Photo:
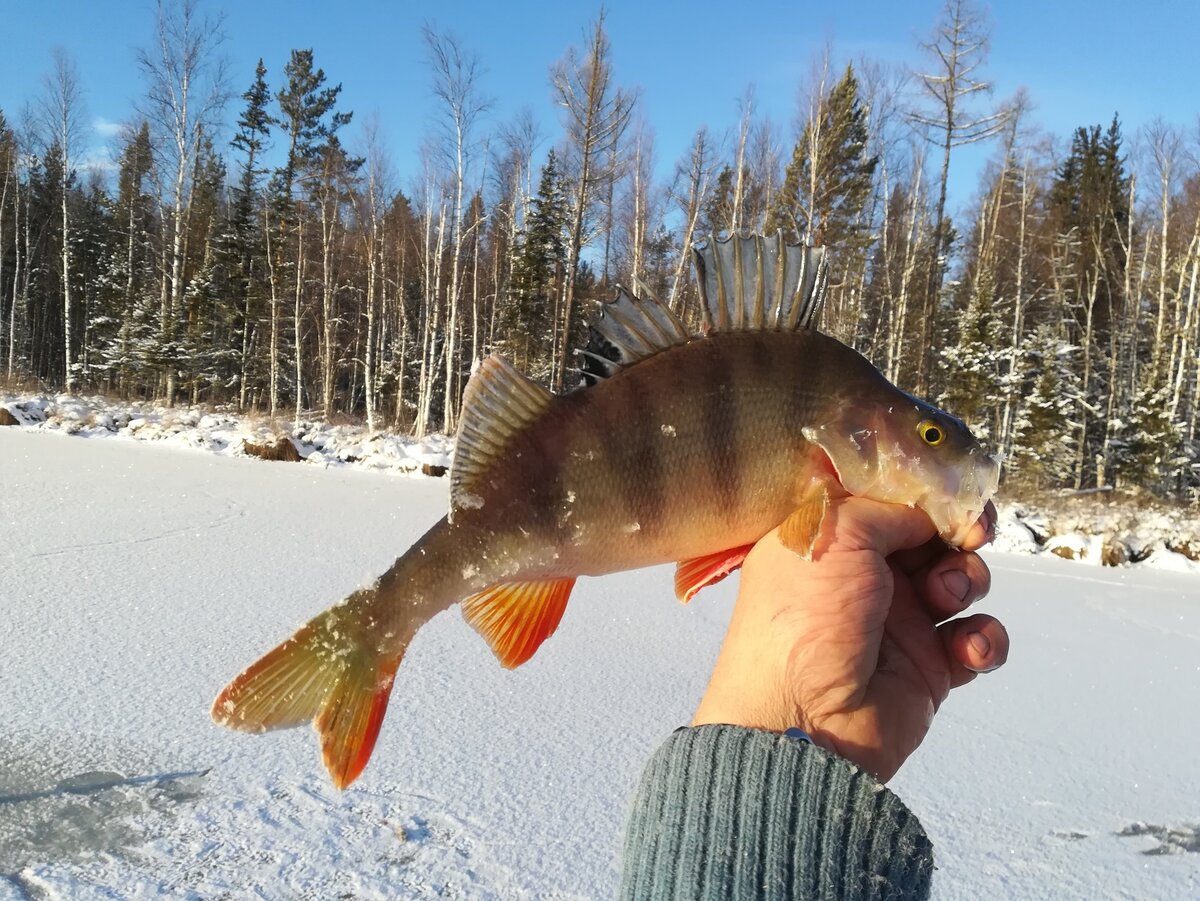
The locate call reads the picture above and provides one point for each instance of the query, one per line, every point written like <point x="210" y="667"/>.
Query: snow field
<point x="139" y="579"/>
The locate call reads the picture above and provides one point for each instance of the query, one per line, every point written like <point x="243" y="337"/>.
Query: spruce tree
<point x="1045" y="431"/>
<point x="527" y="321"/>
<point x="970" y="366"/>
<point x="245" y="238"/>
<point x="829" y="179"/>
<point x="1089" y="202"/>
<point x="1148" y="450"/>
<point x="129" y="309"/>
<point x="310" y="124"/>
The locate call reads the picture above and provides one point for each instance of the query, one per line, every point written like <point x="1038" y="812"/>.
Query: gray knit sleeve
<point x="726" y="812"/>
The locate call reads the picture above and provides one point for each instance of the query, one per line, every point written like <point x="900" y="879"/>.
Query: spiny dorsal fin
<point x="499" y="402"/>
<point x="759" y="283"/>
<point x="633" y="327"/>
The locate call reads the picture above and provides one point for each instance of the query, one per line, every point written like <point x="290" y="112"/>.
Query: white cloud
<point x="107" y="129"/>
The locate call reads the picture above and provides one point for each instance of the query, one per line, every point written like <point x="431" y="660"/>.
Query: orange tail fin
<point x="321" y="675"/>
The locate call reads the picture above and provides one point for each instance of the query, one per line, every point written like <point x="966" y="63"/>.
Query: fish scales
<point x="691" y="450"/>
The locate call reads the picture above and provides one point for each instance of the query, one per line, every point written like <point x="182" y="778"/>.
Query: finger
<point x="879" y="526"/>
<point x="952" y="583"/>
<point x="974" y="644"/>
<point x="983" y="531"/>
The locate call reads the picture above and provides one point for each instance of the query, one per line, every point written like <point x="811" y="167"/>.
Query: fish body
<point x="689" y="451"/>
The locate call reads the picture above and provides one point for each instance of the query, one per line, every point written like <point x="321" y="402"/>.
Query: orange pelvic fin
<point x="320" y="675"/>
<point x="800" y="530"/>
<point x="516" y="617"/>
<point x="700" y="572"/>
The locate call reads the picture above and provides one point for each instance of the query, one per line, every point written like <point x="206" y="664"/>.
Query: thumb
<point x="859" y="523"/>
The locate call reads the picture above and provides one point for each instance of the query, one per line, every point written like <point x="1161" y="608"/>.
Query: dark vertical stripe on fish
<point x="720" y="422"/>
<point x="643" y="485"/>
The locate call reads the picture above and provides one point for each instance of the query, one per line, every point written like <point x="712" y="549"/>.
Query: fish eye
<point x="931" y="433"/>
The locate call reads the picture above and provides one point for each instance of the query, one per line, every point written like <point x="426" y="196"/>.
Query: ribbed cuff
<point x="728" y="812"/>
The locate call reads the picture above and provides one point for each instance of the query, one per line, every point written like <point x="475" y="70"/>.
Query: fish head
<point x="909" y="452"/>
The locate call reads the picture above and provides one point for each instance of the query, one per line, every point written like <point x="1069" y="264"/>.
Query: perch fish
<point x="689" y="449"/>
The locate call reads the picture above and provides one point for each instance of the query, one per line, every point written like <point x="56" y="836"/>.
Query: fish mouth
<point x="959" y="508"/>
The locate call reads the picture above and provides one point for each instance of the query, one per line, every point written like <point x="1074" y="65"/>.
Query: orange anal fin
<point x="800" y="530"/>
<point x="700" y="572"/>
<point x="516" y="617"/>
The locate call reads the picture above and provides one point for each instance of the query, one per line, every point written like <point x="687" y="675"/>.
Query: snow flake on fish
<point x="668" y="430"/>
<point x="468" y="501"/>
<point x="633" y="528"/>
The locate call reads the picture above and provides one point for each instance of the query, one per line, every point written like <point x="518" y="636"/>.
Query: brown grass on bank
<point x="282" y="450"/>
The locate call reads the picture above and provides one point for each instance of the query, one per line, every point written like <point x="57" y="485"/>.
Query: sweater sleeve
<point x="725" y="812"/>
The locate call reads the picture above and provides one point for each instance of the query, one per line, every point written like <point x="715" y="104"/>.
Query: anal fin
<point x="700" y="572"/>
<point x="516" y="617"/>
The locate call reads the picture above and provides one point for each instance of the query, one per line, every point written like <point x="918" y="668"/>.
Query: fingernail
<point x="956" y="583"/>
<point x="980" y="643"/>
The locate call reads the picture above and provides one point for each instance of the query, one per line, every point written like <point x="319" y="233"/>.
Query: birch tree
<point x="186" y="94"/>
<point x="62" y="122"/>
<point x="596" y="114"/>
<point x="958" y="48"/>
<point x="689" y="192"/>
<point x="457" y="73"/>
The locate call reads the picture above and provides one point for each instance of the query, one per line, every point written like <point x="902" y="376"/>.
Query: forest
<point x="253" y="247"/>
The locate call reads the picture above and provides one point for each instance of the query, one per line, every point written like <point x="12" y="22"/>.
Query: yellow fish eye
<point x="931" y="433"/>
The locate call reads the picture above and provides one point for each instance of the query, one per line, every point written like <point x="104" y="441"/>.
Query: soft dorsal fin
<point x="759" y="283"/>
<point x="499" y="402"/>
<point x="633" y="327"/>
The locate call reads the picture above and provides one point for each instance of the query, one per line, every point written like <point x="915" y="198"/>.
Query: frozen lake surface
<point x="137" y="579"/>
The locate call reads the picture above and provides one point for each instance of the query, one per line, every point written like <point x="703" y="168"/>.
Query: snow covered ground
<point x="1092" y="530"/>
<point x="137" y="579"/>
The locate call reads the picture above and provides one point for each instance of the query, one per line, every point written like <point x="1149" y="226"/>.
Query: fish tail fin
<point x="323" y="675"/>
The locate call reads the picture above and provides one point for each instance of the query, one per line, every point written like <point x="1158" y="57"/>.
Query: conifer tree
<point x="829" y="179"/>
<point x="1089" y="202"/>
<point x="246" y="281"/>
<point x="527" y="321"/>
<point x="128" y="316"/>
<point x="50" y="189"/>
<point x="1148" y="443"/>
<point x="310" y="123"/>
<point x="1045" y="432"/>
<point x="970" y="366"/>
<point x="9" y="188"/>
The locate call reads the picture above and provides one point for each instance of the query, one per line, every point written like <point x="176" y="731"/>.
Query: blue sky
<point x="1081" y="61"/>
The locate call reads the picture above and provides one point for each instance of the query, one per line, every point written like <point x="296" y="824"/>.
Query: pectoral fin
<point x="700" y="572"/>
<point x="516" y="617"/>
<point x="800" y="530"/>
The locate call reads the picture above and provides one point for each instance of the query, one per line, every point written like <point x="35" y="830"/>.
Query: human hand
<point x="848" y="646"/>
